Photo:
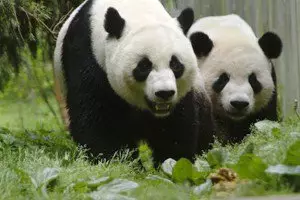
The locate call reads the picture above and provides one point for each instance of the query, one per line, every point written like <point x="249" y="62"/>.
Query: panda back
<point x="58" y="72"/>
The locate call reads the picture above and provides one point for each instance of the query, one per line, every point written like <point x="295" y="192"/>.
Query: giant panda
<point x="128" y="73"/>
<point x="238" y="72"/>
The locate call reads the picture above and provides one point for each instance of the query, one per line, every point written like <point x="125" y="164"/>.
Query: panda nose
<point x="239" y="105"/>
<point x="165" y="94"/>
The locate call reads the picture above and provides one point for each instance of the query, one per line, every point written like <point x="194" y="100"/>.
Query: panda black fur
<point x="107" y="113"/>
<point x="238" y="72"/>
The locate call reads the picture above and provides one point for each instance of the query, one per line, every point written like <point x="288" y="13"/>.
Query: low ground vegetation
<point x="38" y="160"/>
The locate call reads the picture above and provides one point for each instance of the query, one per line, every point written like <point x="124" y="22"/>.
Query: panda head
<point x="153" y="66"/>
<point x="237" y="73"/>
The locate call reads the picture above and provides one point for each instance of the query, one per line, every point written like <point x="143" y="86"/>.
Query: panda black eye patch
<point x="255" y="84"/>
<point x="177" y="67"/>
<point x="219" y="85"/>
<point x="143" y="69"/>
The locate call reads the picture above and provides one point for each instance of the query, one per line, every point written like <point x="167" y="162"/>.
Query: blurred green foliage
<point x="27" y="25"/>
<point x="29" y="95"/>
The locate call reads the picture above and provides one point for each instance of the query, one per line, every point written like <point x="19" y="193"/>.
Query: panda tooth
<point x="157" y="107"/>
<point x="162" y="106"/>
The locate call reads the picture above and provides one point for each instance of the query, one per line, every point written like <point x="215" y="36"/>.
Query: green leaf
<point x="97" y="182"/>
<point x="81" y="187"/>
<point x="250" y="166"/>
<point x="293" y="154"/>
<point x="118" y="186"/>
<point x="145" y="155"/>
<point x="284" y="170"/>
<point x="158" y="178"/>
<point x="87" y="186"/>
<point x="98" y="195"/>
<point x="203" y="188"/>
<point x="45" y="178"/>
<point x="47" y="175"/>
<point x="198" y="177"/>
<point x="201" y="170"/>
<point x="276" y="132"/>
<point x="216" y="157"/>
<point x="249" y="149"/>
<point x="182" y="170"/>
<point x="114" y="189"/>
<point x="202" y="165"/>
<point x="290" y="174"/>
<point x="168" y="166"/>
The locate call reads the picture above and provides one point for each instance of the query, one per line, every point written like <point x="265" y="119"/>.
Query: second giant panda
<point x="128" y="72"/>
<point x="238" y="72"/>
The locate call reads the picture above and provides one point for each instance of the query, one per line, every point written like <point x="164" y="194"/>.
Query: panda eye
<point x="177" y="67"/>
<point x="255" y="84"/>
<point x="219" y="85"/>
<point x="143" y="69"/>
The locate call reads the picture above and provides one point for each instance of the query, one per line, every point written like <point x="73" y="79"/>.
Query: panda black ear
<point x="201" y="43"/>
<point x="271" y="45"/>
<point x="114" y="24"/>
<point x="186" y="19"/>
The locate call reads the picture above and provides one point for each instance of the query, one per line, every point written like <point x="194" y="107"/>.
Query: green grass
<point x="28" y="114"/>
<point x="39" y="161"/>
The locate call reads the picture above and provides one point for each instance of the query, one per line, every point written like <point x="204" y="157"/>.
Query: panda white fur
<point x="238" y="73"/>
<point x="128" y="73"/>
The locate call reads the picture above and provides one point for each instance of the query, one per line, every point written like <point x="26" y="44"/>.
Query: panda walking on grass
<point x="238" y="72"/>
<point x="129" y="74"/>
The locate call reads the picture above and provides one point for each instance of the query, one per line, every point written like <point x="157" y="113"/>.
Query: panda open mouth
<point x="160" y="109"/>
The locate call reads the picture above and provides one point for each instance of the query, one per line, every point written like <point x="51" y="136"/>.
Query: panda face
<point x="235" y="64"/>
<point x="240" y="82"/>
<point x="152" y="68"/>
<point x="160" y="85"/>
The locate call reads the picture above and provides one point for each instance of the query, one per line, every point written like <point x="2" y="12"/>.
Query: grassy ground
<point x="39" y="161"/>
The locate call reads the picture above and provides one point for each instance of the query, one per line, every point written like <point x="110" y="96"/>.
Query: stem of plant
<point x="296" y="107"/>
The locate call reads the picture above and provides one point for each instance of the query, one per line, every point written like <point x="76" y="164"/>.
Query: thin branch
<point x="16" y="18"/>
<point x="28" y="18"/>
<point x="54" y="34"/>
<point x="296" y="107"/>
<point x="42" y="92"/>
<point x="62" y="20"/>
